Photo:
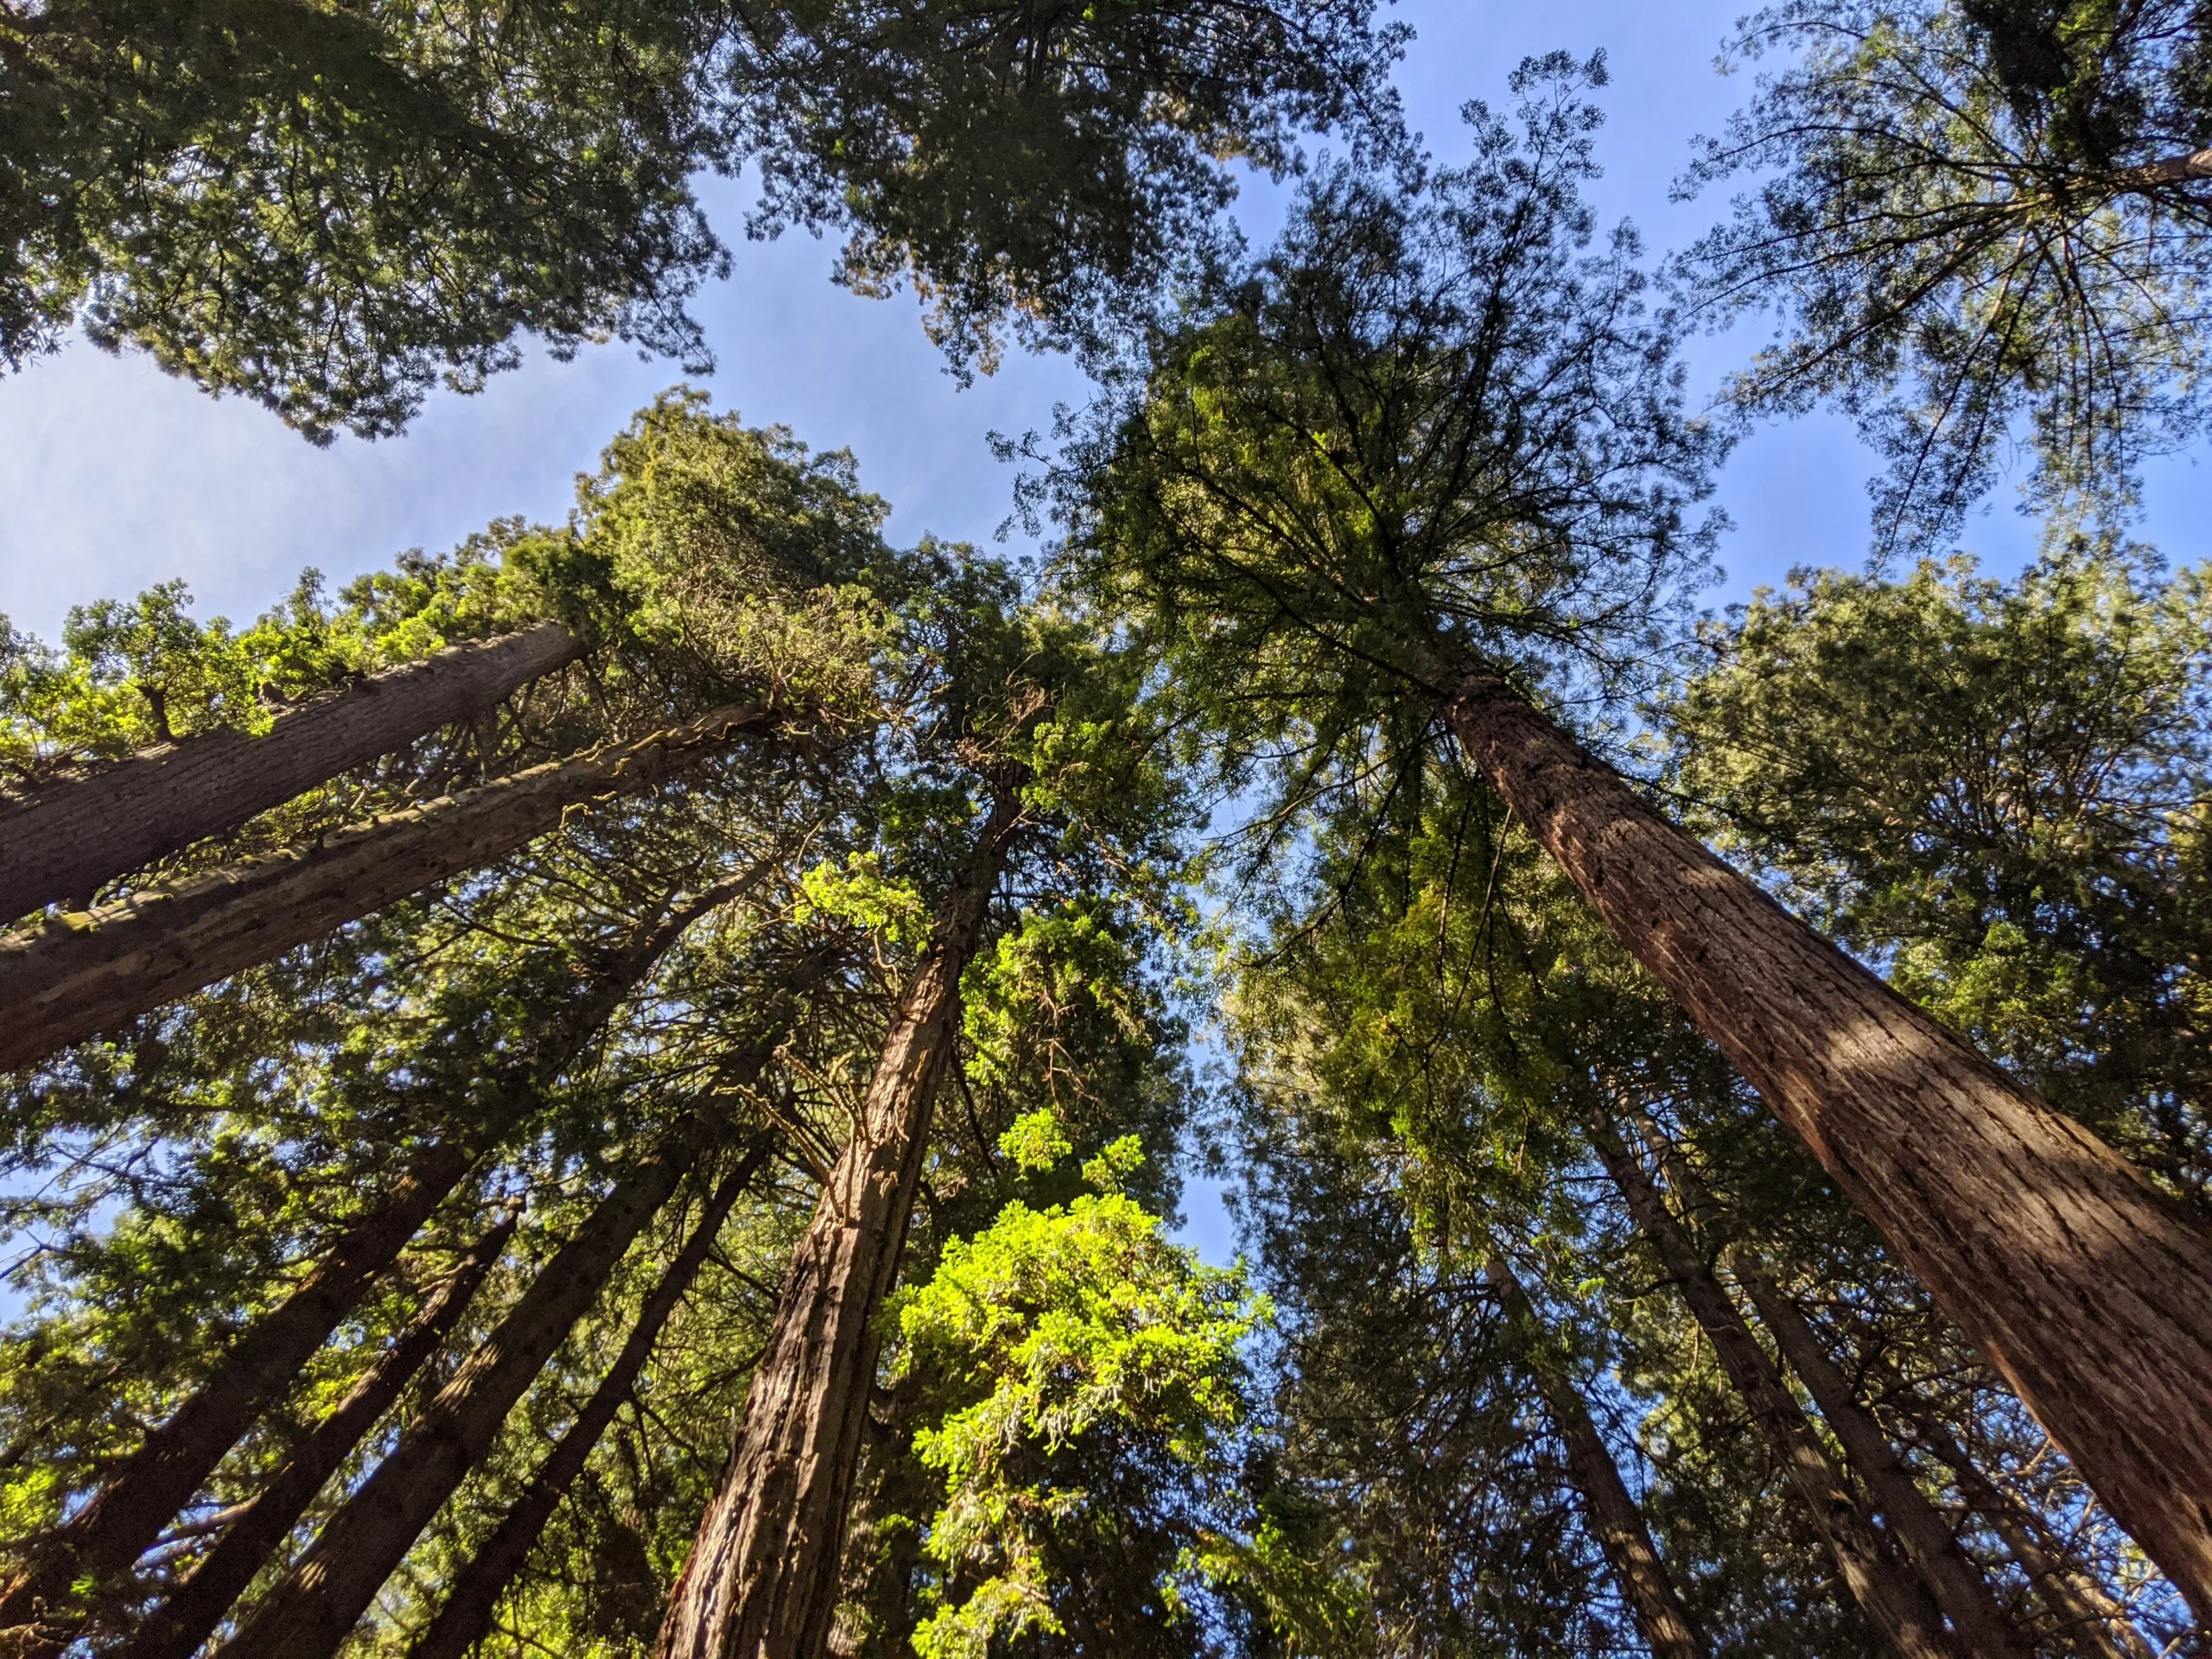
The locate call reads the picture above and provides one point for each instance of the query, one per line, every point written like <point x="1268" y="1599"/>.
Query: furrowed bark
<point x="2089" y="1291"/>
<point x="762" y="1578"/>
<point x="61" y="841"/>
<point x="475" y="1596"/>
<point x="177" y="1629"/>
<point x="153" y="1484"/>
<point x="311" y="1612"/>
<point x="1895" y="1601"/>
<point x="67" y="980"/>
<point x="1608" y="1510"/>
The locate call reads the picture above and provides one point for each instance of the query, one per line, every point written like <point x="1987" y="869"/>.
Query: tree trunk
<point x="2090" y="1616"/>
<point x="63" y="981"/>
<point x="1608" y="1509"/>
<point x="1895" y="1601"/>
<point x="2090" y="1290"/>
<point x="177" y="1629"/>
<point x="762" y="1579"/>
<point x="61" y="841"/>
<point x="1959" y="1587"/>
<point x="311" y="1612"/>
<point x="150" y="1486"/>
<point x="475" y="1595"/>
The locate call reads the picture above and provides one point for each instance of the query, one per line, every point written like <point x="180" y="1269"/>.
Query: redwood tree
<point x="1427" y="462"/>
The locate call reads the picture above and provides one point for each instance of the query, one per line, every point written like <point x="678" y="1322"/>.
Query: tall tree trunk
<point x="1893" y="1598"/>
<point x="1608" y="1510"/>
<point x="177" y="1629"/>
<point x="1960" y="1588"/>
<point x="2089" y="1289"/>
<point x="122" y="1521"/>
<point x="62" y="841"/>
<point x="63" y="982"/>
<point x="474" y="1597"/>
<point x="2090" y="1619"/>
<point x="762" y="1578"/>
<point x="310" y="1613"/>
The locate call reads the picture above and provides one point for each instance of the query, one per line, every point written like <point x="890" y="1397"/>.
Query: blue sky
<point x="114" y="476"/>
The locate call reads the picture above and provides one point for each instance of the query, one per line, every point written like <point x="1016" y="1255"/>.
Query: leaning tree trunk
<point x="309" y="1614"/>
<point x="474" y="1597"/>
<point x="1960" y="1588"/>
<point x="123" y="1520"/>
<point x="762" y="1578"/>
<point x="62" y="841"/>
<point x="64" y="980"/>
<point x="1893" y="1598"/>
<point x="1608" y="1510"/>
<point x="2090" y="1619"/>
<point x="2089" y="1290"/>
<point x="177" y="1629"/>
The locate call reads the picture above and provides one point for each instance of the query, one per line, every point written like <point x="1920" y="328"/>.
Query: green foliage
<point x="1027" y="168"/>
<point x="1086" y="1387"/>
<point x="1961" y="227"/>
<point x="329" y="209"/>
<point x="1432" y="426"/>
<point x="1998" y="790"/>
<point x="332" y="208"/>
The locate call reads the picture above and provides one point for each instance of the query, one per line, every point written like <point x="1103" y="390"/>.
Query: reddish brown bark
<point x="312" y="1611"/>
<point x="1893" y="1598"/>
<point x="762" y="1578"/>
<point x="474" y="1598"/>
<point x="66" y="980"/>
<point x="177" y="1629"/>
<point x="63" y="841"/>
<point x="1961" y="1589"/>
<point x="2089" y="1291"/>
<point x="151" y="1486"/>
<point x="1608" y="1510"/>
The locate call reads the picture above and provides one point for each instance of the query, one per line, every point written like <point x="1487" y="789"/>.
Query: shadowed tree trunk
<point x="62" y="841"/>
<point x="475" y="1595"/>
<point x="2090" y="1291"/>
<point x="123" y="1520"/>
<point x="1960" y="1588"/>
<point x="65" y="981"/>
<point x="309" y="1614"/>
<point x="2089" y="1617"/>
<point x="762" y="1578"/>
<point x="177" y="1629"/>
<point x="1608" y="1510"/>
<point x="1896" y="1602"/>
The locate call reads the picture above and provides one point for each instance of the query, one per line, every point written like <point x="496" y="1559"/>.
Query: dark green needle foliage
<point x="1436" y="424"/>
<point x="1982" y="227"/>
<point x="328" y="208"/>
<point x="1024" y="165"/>
<point x="331" y="209"/>
<point x="1998" y="789"/>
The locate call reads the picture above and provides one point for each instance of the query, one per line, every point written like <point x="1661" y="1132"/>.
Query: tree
<point x="1995" y="789"/>
<point x="330" y="210"/>
<point x="1425" y="462"/>
<point x="1984" y="225"/>
<point x="1082" y="1386"/>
